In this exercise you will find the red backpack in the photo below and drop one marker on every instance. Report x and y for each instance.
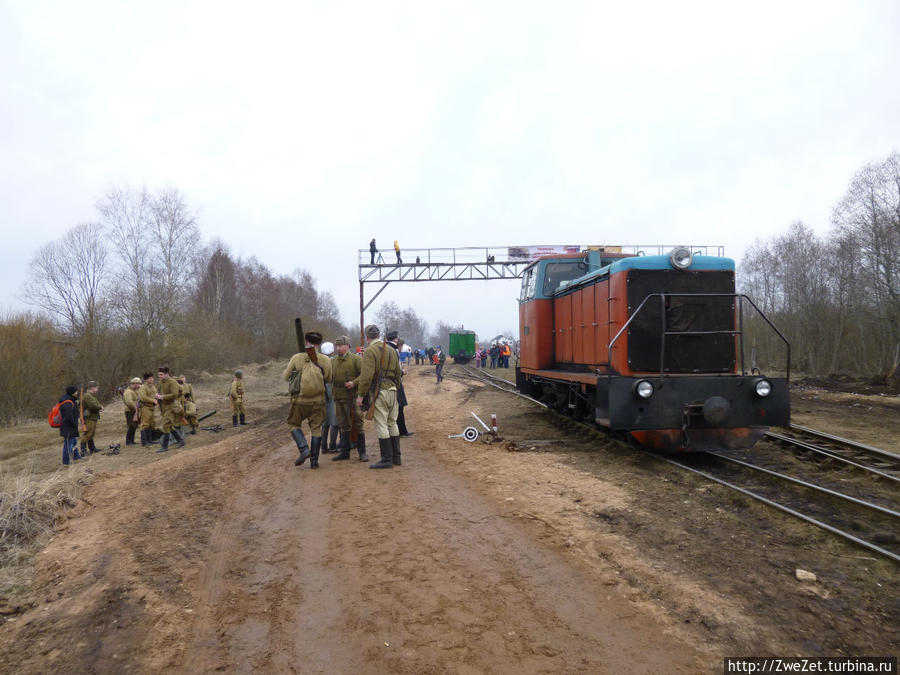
(54, 417)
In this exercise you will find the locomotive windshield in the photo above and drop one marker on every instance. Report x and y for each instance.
(560, 271)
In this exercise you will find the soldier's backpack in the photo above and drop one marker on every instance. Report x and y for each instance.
(54, 417)
(294, 384)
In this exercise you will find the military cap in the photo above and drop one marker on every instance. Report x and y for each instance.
(313, 337)
(327, 348)
(164, 369)
(180, 378)
(372, 331)
(393, 335)
(135, 380)
(239, 373)
(342, 340)
(93, 383)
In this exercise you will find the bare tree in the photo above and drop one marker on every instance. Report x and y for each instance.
(216, 292)
(127, 215)
(412, 328)
(175, 235)
(66, 279)
(441, 335)
(868, 218)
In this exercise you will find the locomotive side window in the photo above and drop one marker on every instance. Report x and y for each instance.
(558, 272)
(528, 283)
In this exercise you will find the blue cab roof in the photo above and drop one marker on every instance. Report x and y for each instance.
(662, 262)
(648, 262)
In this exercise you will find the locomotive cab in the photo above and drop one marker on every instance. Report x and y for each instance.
(650, 346)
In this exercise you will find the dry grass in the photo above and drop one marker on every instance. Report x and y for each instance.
(35, 487)
(29, 505)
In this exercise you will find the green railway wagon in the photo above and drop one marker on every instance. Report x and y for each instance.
(462, 345)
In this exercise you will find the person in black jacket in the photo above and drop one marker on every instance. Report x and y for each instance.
(69, 427)
(394, 341)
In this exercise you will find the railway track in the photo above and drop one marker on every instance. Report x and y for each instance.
(874, 460)
(859, 520)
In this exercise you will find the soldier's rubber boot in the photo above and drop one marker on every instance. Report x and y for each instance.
(302, 446)
(344, 449)
(165, 444)
(144, 442)
(325, 450)
(83, 450)
(193, 429)
(386, 462)
(361, 447)
(179, 439)
(395, 450)
(129, 436)
(332, 441)
(314, 452)
(234, 420)
(243, 421)
(91, 446)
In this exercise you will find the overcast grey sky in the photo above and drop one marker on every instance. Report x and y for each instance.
(299, 131)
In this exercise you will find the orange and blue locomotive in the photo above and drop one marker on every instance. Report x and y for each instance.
(648, 346)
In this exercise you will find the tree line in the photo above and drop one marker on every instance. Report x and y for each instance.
(837, 297)
(136, 287)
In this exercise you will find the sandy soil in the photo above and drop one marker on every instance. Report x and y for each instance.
(546, 552)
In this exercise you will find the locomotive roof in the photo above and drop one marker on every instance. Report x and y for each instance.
(656, 262)
(649, 262)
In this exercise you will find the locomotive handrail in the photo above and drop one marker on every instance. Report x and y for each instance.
(739, 332)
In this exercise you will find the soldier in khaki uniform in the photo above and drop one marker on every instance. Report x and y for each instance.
(146, 406)
(346, 367)
(132, 417)
(179, 418)
(190, 406)
(237, 398)
(170, 409)
(91, 410)
(381, 364)
(308, 400)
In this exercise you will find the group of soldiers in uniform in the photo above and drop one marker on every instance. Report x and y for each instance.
(351, 382)
(357, 382)
(173, 396)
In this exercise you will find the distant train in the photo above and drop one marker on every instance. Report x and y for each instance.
(647, 346)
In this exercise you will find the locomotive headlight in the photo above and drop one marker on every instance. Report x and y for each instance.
(681, 257)
(643, 389)
(763, 388)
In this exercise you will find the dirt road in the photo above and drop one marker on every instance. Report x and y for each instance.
(553, 551)
(228, 558)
